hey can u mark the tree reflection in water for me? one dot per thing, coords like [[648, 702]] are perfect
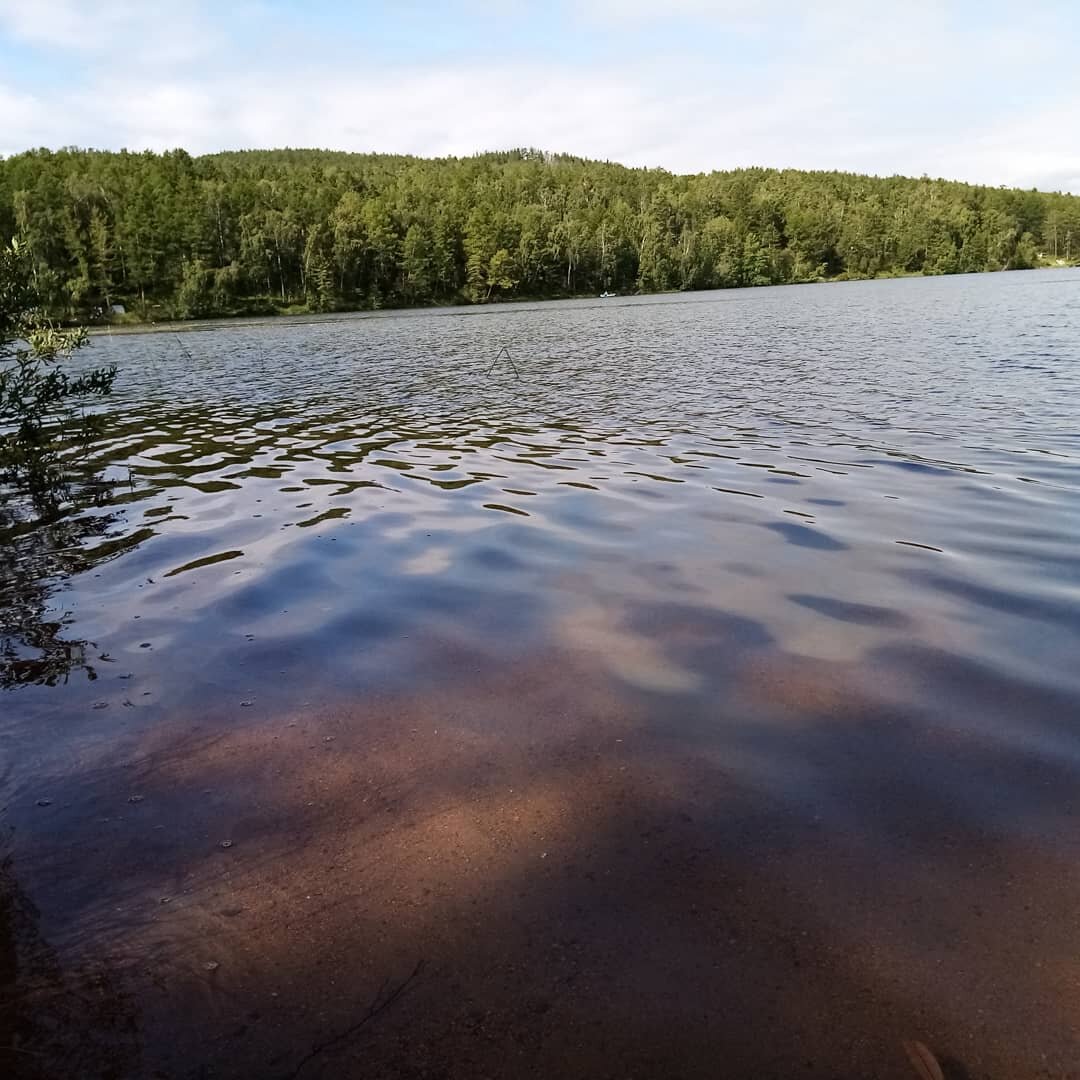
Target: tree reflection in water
[[44, 528], [56, 1021]]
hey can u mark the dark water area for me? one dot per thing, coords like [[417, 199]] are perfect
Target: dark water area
[[695, 693]]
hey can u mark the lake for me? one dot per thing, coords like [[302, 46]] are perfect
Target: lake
[[647, 687]]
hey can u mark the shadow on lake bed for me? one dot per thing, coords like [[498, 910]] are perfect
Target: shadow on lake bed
[[586, 891]]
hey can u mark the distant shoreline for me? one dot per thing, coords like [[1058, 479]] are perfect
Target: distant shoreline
[[133, 326], [172, 238]]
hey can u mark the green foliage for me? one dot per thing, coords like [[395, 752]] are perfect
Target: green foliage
[[36, 394], [193, 295], [168, 234]]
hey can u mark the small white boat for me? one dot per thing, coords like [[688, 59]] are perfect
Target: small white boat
[[607, 295]]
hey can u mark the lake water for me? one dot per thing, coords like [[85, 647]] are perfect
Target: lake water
[[693, 691]]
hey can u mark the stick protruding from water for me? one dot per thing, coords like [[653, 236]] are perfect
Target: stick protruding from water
[[504, 351]]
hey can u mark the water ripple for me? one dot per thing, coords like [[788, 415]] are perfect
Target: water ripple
[[803, 557]]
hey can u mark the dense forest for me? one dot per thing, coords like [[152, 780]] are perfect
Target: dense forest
[[170, 235]]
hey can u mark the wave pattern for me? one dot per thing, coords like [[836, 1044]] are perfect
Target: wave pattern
[[821, 539]]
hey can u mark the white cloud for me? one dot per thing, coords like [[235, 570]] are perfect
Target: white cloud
[[28, 122], [64, 23], [647, 11], [892, 91], [128, 31]]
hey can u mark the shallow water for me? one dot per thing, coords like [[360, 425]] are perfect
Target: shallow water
[[695, 684]]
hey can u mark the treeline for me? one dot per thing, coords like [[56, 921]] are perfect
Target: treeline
[[169, 235]]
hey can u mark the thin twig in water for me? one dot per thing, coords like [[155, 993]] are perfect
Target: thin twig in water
[[383, 1001], [504, 351], [20, 1050], [187, 351]]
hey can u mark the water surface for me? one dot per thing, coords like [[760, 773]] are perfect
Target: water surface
[[692, 693]]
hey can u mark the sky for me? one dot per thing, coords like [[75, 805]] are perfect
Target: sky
[[981, 90]]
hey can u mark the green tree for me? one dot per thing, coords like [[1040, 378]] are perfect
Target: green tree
[[37, 397], [258, 230], [753, 262], [500, 272], [101, 255], [318, 270], [481, 245], [195, 293], [347, 228], [416, 263]]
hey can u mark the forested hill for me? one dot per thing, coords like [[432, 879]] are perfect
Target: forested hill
[[169, 235]]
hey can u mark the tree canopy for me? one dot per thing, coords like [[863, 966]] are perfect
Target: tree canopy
[[171, 235], [37, 396]]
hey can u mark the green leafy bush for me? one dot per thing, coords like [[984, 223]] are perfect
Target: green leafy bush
[[38, 398]]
